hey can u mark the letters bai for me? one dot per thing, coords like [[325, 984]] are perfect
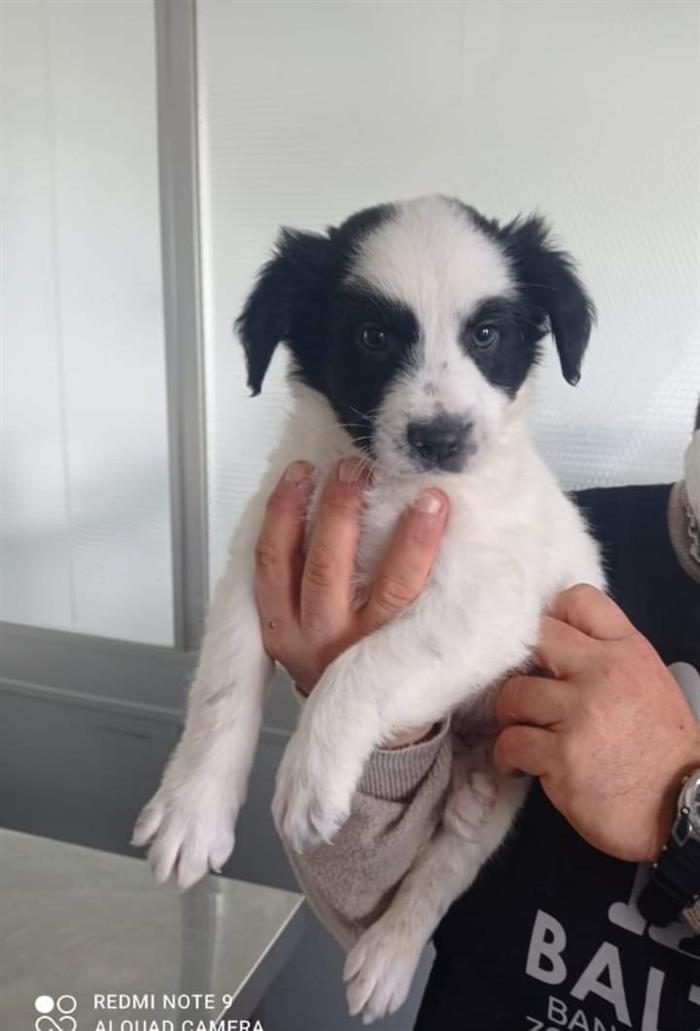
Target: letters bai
[[601, 977]]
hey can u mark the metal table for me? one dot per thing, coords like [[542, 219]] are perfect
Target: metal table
[[89, 937]]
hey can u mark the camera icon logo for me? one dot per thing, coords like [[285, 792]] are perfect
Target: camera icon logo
[[55, 1014]]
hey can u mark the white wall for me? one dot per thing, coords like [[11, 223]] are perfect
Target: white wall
[[84, 505], [588, 111]]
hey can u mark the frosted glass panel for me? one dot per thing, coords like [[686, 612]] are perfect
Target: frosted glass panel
[[84, 508], [309, 111]]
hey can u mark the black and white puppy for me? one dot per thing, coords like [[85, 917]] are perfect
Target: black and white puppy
[[412, 329]]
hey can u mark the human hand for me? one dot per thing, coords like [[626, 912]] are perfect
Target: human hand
[[306, 604], [610, 734]]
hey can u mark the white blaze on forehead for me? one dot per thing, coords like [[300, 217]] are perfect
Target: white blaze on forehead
[[431, 257]]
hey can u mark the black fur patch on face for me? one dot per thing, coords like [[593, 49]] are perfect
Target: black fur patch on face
[[547, 278], [356, 375], [291, 300], [301, 298], [509, 349], [488, 226], [349, 234], [547, 281]]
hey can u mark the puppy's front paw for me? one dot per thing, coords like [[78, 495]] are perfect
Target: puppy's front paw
[[190, 831], [380, 968], [312, 797]]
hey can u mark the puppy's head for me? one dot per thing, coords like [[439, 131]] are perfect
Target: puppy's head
[[419, 322]]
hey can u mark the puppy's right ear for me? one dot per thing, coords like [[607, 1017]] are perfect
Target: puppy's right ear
[[285, 283], [549, 278]]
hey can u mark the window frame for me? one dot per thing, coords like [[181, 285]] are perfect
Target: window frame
[[118, 673]]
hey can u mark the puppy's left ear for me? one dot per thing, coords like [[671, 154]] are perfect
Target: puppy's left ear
[[549, 280], [285, 285]]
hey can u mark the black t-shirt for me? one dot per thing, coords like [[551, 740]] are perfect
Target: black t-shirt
[[549, 937]]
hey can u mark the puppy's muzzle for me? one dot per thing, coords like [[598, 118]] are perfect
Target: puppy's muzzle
[[441, 443]]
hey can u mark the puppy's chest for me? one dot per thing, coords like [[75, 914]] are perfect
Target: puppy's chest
[[468, 549], [379, 522], [380, 515]]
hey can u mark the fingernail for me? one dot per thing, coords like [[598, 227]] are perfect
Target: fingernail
[[349, 470], [298, 471], [428, 502]]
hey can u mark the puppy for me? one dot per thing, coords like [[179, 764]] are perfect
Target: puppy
[[412, 328]]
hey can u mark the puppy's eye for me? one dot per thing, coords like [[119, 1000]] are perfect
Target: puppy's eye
[[486, 335], [372, 337]]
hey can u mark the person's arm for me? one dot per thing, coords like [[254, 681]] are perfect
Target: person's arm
[[350, 881], [308, 617]]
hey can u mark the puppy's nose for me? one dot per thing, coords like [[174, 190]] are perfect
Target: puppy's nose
[[441, 442]]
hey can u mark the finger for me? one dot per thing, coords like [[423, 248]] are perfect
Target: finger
[[537, 701], [327, 580], [404, 570], [525, 750], [592, 612], [561, 649], [278, 553]]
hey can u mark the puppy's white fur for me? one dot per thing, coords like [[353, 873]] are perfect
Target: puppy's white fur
[[512, 542]]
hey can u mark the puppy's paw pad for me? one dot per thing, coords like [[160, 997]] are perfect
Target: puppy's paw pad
[[204, 849], [379, 971], [309, 805], [309, 821], [188, 838], [470, 807], [148, 822], [485, 789]]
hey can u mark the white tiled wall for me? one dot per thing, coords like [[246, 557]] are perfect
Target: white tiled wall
[[588, 111], [84, 510], [308, 111]]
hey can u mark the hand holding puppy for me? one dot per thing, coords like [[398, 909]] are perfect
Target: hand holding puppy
[[609, 734], [305, 602]]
